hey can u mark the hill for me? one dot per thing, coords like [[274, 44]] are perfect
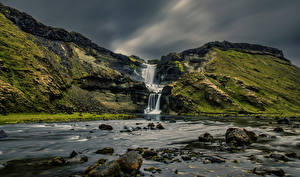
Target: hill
[[46, 69], [226, 77]]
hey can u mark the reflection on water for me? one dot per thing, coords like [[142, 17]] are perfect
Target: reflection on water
[[37, 141]]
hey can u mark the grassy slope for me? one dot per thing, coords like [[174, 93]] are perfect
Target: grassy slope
[[29, 118], [26, 72], [254, 83]]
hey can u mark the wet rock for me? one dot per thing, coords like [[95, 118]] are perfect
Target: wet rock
[[263, 172], [284, 121], [236, 161], [237, 137], [153, 170], [107, 150], [215, 159], [105, 127], [279, 157], [158, 158], [186, 157], [73, 154], [172, 121], [57, 161], [138, 123], [130, 162], [206, 137], [2, 166], [148, 154], [253, 137], [278, 130], [291, 155], [151, 125], [3, 134], [111, 168], [253, 158], [160, 126], [263, 136]]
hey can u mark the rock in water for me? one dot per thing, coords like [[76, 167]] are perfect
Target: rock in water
[[160, 126], [130, 162], [107, 150], [105, 127], [206, 137], [111, 168], [278, 130], [3, 134], [237, 137], [57, 161], [284, 121]]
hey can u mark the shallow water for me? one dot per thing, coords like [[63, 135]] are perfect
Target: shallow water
[[44, 141]]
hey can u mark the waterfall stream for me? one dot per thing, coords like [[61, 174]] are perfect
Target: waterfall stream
[[148, 74]]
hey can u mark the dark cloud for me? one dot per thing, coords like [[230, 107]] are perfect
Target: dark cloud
[[154, 28]]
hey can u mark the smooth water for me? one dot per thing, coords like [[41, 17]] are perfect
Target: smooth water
[[39, 141]]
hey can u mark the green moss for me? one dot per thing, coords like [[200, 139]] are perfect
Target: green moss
[[38, 117], [179, 66]]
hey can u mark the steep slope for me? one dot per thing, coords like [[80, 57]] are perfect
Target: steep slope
[[230, 78], [50, 69]]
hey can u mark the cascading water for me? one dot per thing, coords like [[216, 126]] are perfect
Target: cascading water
[[154, 98]]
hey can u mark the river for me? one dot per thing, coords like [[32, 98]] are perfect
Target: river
[[34, 142]]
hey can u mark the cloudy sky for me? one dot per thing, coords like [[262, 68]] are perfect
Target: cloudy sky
[[152, 28]]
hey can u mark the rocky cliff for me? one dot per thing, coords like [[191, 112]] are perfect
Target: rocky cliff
[[49, 69], [229, 77]]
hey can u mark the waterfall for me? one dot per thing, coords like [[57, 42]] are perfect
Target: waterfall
[[148, 74]]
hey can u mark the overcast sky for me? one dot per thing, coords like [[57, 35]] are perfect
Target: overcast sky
[[152, 28]]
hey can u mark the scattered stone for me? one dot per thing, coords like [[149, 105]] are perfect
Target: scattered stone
[[105, 127], [291, 155], [160, 126], [83, 158], [57, 161], [3, 134], [111, 168], [284, 121], [279, 157], [130, 162], [73, 154], [138, 123], [254, 159], [186, 157], [153, 170], [215, 159], [148, 154], [151, 125], [206, 137], [236, 161], [237, 137], [263, 136], [278, 130], [107, 150], [263, 172], [158, 158]]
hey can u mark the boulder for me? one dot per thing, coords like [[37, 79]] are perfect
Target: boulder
[[57, 161], [130, 162], [284, 121], [237, 137], [206, 137], [160, 126], [111, 168], [279, 157], [263, 172], [107, 150], [278, 130], [3, 134], [105, 127], [148, 154]]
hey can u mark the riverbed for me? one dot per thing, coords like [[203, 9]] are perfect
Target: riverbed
[[27, 144]]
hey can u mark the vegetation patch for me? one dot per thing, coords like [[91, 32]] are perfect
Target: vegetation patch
[[43, 117]]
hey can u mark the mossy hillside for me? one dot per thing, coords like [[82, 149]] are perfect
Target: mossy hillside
[[233, 81], [25, 67]]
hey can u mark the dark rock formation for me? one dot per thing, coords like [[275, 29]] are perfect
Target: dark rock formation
[[3, 134], [105, 127], [206, 137], [237, 137]]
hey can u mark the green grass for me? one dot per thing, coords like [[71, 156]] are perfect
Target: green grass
[[43, 117]]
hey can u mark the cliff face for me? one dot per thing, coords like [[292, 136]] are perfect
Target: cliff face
[[229, 78], [50, 69]]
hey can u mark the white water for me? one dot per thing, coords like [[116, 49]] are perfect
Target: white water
[[154, 98]]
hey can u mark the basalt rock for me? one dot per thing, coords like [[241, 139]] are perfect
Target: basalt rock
[[237, 137], [3, 134]]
